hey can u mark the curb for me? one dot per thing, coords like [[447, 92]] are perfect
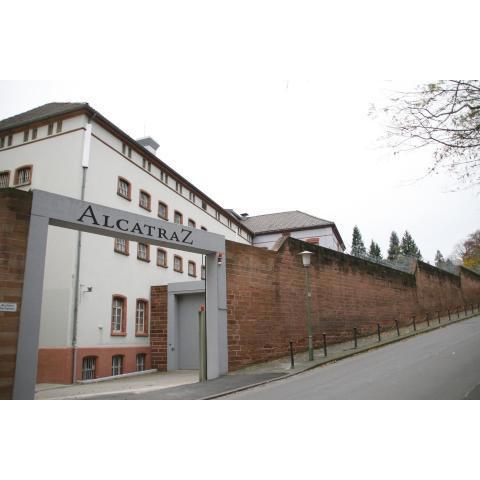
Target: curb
[[342, 356]]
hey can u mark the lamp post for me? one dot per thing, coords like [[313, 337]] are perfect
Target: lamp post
[[306, 263]]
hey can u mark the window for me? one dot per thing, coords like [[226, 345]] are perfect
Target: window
[[140, 362], [25, 135], [163, 176], [204, 229], [229, 223], [23, 176], [10, 140], [2, 142], [143, 252], [178, 263], [117, 365], [124, 189], [191, 223], [34, 134], [192, 268], [141, 318], [204, 204], [88, 368], [50, 129], [4, 179], [217, 215], [126, 150], [59, 126], [178, 217], [122, 246], [145, 200], [163, 210], [191, 196], [161, 257], [178, 187], [146, 164], [204, 272], [119, 315]]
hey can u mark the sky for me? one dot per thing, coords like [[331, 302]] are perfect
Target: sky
[[263, 146], [263, 106]]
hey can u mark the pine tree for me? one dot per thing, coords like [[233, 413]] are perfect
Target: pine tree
[[439, 260], [358, 247], [375, 251], [409, 247], [394, 247]]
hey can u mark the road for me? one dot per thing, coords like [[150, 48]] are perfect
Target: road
[[443, 364]]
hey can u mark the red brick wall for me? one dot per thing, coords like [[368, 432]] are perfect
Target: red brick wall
[[15, 209], [266, 298], [470, 286], [55, 364], [158, 327]]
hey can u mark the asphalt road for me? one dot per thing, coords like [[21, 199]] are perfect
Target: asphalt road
[[443, 364]]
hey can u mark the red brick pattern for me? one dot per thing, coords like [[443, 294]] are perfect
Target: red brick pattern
[[158, 327], [15, 209]]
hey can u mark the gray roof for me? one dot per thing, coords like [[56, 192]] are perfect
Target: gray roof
[[277, 222], [40, 113]]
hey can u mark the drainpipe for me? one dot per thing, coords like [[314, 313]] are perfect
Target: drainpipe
[[85, 162]]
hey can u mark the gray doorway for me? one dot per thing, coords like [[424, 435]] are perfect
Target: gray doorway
[[188, 340]]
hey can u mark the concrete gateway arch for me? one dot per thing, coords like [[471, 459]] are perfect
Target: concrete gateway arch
[[57, 210]]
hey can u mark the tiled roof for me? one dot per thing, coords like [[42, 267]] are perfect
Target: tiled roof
[[276, 222], [40, 113]]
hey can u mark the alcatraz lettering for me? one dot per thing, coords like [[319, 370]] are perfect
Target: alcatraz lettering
[[145, 229]]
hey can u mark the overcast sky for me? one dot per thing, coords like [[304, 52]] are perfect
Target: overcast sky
[[257, 106]]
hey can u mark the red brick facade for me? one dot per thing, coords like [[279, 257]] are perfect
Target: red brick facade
[[158, 327], [266, 297], [15, 209]]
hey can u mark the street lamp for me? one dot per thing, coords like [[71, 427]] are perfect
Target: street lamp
[[306, 263]]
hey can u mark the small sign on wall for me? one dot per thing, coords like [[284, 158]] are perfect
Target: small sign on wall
[[8, 307]]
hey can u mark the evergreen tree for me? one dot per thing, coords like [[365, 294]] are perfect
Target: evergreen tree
[[394, 247], [439, 260], [375, 251], [408, 246], [358, 247]]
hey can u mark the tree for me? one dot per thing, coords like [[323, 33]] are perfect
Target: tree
[[394, 247], [439, 260], [445, 115], [375, 251], [408, 246], [358, 247], [471, 255]]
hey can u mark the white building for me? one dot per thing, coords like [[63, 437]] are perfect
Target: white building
[[95, 311]]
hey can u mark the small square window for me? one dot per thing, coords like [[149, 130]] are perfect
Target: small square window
[[143, 252], [178, 217], [191, 223], [50, 129], [178, 187], [192, 197], [178, 264], [144, 200], [23, 176], [192, 268], [124, 188], [121, 246], [129, 152], [25, 135], [34, 133], [140, 362], [5, 179], [163, 210], [117, 365], [161, 257], [217, 215], [59, 126], [204, 204]]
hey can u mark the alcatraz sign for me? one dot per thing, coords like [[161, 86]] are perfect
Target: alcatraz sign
[[102, 220], [123, 225]]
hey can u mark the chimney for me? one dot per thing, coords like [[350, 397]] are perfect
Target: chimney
[[149, 143]]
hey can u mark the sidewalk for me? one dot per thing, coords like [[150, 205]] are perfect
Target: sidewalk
[[183, 384]]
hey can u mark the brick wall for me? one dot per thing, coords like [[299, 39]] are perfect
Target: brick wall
[[266, 297], [15, 209], [158, 327]]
